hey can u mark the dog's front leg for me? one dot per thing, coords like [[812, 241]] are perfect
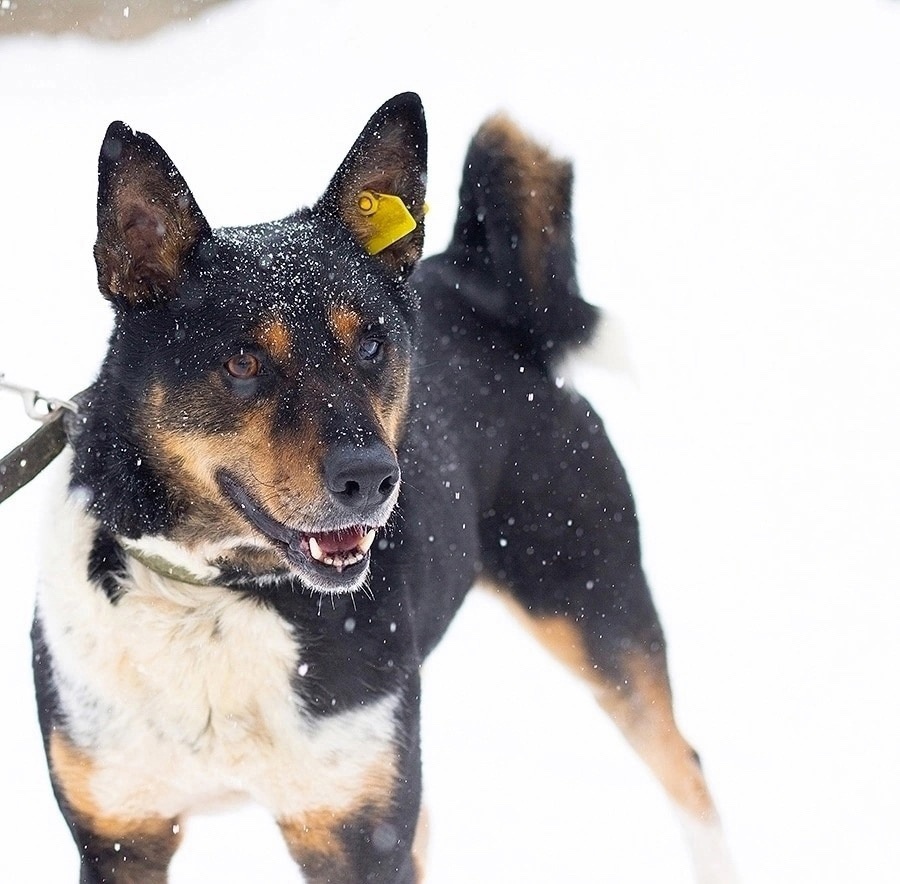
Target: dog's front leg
[[377, 838], [139, 858], [114, 848], [371, 848]]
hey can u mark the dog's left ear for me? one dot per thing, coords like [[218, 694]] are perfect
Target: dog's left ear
[[147, 220], [379, 190]]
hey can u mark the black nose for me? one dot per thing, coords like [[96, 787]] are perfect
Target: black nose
[[361, 478]]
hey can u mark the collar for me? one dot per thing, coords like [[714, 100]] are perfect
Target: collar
[[161, 565]]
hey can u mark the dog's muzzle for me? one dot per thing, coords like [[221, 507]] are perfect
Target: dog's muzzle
[[331, 553]]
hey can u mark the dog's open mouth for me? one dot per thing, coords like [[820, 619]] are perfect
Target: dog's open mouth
[[330, 560], [336, 549]]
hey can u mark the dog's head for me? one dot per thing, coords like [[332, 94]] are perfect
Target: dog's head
[[255, 390]]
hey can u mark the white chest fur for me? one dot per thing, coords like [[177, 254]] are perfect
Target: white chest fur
[[183, 694]]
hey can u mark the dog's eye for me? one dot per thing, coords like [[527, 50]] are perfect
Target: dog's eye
[[369, 349], [243, 366]]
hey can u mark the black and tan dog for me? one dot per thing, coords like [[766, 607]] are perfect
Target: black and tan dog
[[302, 449]]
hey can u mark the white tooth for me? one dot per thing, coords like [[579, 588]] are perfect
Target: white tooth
[[366, 543], [315, 550]]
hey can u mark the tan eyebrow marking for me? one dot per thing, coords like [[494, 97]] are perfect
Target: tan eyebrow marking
[[276, 338], [345, 322]]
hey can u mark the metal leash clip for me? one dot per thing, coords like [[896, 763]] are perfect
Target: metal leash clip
[[37, 406], [27, 460]]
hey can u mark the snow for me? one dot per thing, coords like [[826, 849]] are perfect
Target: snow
[[737, 209]]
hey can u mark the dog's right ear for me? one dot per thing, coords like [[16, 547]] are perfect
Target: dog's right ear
[[147, 220]]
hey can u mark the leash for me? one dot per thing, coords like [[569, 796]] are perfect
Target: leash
[[30, 458]]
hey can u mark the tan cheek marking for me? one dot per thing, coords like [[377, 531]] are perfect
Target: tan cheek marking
[[290, 463], [197, 457], [177, 452], [641, 707], [391, 411], [287, 466], [345, 324], [73, 772], [276, 339], [187, 461]]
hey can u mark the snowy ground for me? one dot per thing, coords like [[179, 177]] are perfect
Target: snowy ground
[[738, 209]]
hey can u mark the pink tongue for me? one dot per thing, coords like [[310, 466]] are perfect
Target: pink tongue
[[344, 541]]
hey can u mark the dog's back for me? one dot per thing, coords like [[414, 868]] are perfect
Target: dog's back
[[499, 441]]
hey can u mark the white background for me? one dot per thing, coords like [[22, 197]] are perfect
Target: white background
[[737, 209]]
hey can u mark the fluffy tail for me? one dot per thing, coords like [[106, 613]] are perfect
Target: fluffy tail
[[513, 240]]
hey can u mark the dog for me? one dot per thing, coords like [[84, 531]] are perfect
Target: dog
[[303, 447]]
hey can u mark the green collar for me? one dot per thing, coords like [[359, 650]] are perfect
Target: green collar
[[165, 568]]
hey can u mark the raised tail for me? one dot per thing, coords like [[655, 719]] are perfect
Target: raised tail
[[513, 243]]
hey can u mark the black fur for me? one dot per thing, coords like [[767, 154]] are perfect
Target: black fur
[[106, 564]]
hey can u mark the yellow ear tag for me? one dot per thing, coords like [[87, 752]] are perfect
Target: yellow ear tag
[[389, 219]]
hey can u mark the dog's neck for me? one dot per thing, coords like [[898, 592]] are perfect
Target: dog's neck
[[170, 560], [159, 564]]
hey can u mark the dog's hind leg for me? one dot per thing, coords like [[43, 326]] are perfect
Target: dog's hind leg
[[561, 541], [635, 692]]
